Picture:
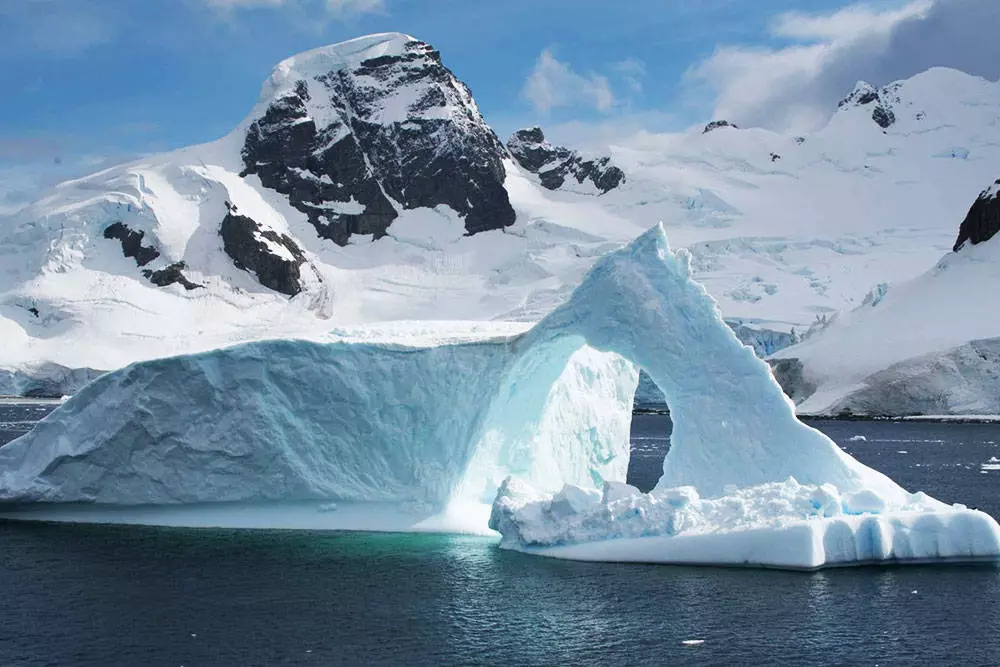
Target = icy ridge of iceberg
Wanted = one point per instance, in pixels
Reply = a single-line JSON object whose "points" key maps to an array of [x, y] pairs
{"points": [[744, 482]]}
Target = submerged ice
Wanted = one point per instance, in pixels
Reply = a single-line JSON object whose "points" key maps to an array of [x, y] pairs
{"points": [[442, 420]]}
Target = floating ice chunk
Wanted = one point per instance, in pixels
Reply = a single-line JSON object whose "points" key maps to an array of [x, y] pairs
{"points": [[992, 464], [857, 438]]}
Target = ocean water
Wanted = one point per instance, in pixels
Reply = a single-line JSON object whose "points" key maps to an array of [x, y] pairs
{"points": [[105, 595]]}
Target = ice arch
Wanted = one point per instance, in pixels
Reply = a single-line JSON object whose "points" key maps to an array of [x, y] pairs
{"points": [[744, 482], [733, 425], [414, 426]]}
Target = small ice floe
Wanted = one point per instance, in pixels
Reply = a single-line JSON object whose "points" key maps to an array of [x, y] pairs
{"points": [[992, 464], [857, 438], [902, 451], [327, 507], [693, 642]]}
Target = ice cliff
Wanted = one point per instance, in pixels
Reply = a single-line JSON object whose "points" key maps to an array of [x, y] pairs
{"points": [[429, 422]]}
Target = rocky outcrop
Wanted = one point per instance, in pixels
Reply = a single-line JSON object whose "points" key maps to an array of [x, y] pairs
{"points": [[171, 275], [554, 164], [983, 219], [131, 241], [881, 100], [274, 258], [717, 124], [359, 131]]}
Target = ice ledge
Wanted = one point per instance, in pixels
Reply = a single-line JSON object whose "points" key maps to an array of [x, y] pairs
{"points": [[798, 546], [784, 525]]}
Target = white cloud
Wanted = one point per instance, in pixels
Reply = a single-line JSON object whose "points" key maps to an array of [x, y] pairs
{"points": [[796, 86], [355, 7], [847, 23], [335, 8], [554, 84], [632, 71]]}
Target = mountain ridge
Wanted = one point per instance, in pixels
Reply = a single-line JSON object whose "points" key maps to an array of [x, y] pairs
{"points": [[781, 229]]}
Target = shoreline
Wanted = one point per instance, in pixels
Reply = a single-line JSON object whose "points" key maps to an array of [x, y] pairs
{"points": [[939, 419]]}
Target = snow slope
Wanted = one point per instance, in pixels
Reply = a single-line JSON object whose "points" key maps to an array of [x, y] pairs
{"points": [[930, 345], [781, 229], [434, 421]]}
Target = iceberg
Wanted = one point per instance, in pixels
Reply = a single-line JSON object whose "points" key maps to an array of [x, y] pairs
{"points": [[405, 427], [475, 426]]}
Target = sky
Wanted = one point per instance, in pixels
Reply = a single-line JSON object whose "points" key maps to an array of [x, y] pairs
{"points": [[90, 83]]}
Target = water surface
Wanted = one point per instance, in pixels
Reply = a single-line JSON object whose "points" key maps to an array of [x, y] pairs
{"points": [[134, 595]]}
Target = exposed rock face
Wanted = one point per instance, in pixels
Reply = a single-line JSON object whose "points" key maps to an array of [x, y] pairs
{"points": [[716, 124], [170, 275], [554, 164], [983, 219], [132, 246], [883, 99], [274, 258], [357, 132], [131, 241]]}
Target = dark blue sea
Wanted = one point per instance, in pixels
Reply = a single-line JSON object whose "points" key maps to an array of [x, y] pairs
{"points": [[143, 596]]}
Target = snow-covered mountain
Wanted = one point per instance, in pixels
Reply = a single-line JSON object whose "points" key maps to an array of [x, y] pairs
{"points": [[365, 186], [928, 346]]}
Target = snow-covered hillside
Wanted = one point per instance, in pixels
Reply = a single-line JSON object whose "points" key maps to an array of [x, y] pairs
{"points": [[366, 187], [928, 346]]}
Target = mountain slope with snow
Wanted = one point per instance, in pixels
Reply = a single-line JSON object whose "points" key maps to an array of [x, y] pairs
{"points": [[366, 187], [930, 345]]}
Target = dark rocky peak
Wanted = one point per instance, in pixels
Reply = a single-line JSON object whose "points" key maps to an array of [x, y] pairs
{"points": [[357, 132], [274, 258], [718, 124], [882, 101], [554, 164], [983, 219]]}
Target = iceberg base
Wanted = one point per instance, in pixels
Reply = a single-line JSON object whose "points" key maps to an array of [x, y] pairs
{"points": [[468, 518]]}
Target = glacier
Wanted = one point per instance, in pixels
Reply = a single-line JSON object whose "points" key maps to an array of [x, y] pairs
{"points": [[448, 426]]}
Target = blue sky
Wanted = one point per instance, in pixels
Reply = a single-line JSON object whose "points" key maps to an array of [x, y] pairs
{"points": [[91, 82]]}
